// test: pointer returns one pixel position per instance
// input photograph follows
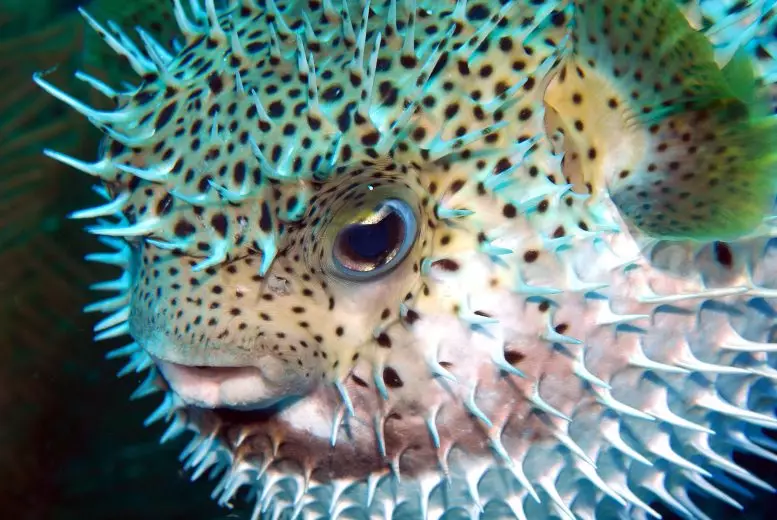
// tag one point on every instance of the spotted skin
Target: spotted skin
(533, 355)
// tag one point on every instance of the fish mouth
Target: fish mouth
(240, 388)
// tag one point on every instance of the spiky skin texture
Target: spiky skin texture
(534, 355)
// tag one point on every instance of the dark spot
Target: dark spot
(514, 357)
(723, 254)
(391, 378)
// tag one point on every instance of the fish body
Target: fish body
(381, 258)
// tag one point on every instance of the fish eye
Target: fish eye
(375, 244)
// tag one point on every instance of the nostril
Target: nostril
(240, 388)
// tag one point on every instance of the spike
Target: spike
(314, 104)
(97, 84)
(605, 397)
(443, 213)
(175, 429)
(147, 387)
(143, 227)
(106, 210)
(269, 250)
(498, 357)
(310, 32)
(216, 31)
(657, 486)
(156, 50)
(573, 447)
(558, 503)
(711, 401)
(200, 199)
(357, 62)
(92, 114)
(610, 430)
(390, 137)
(460, 11)
(660, 410)
(593, 476)
(119, 330)
(625, 491)
(438, 148)
(380, 384)
(369, 84)
(468, 49)
(431, 426)
(118, 259)
(169, 405)
(237, 49)
(219, 254)
(550, 335)
(488, 248)
(408, 46)
(605, 316)
(302, 58)
(118, 317)
(706, 295)
(264, 164)
(102, 192)
(740, 344)
(532, 290)
(472, 318)
(543, 405)
(693, 364)
(712, 490)
(203, 448)
(740, 441)
(336, 421)
(346, 399)
(275, 46)
(440, 371)
(659, 445)
(582, 371)
(159, 56)
(131, 141)
(380, 436)
(542, 19)
(731, 467)
(516, 468)
(210, 459)
(638, 358)
(125, 351)
(181, 245)
(136, 60)
(347, 24)
(139, 362)
(188, 28)
(109, 304)
(475, 410)
(232, 196)
(283, 27)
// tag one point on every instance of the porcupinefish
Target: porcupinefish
(449, 258)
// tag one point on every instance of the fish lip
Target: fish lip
(240, 387)
(236, 387)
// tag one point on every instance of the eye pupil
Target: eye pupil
(377, 243)
(372, 242)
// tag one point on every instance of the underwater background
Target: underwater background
(72, 444)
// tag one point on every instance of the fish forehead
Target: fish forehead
(207, 131)
(532, 341)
